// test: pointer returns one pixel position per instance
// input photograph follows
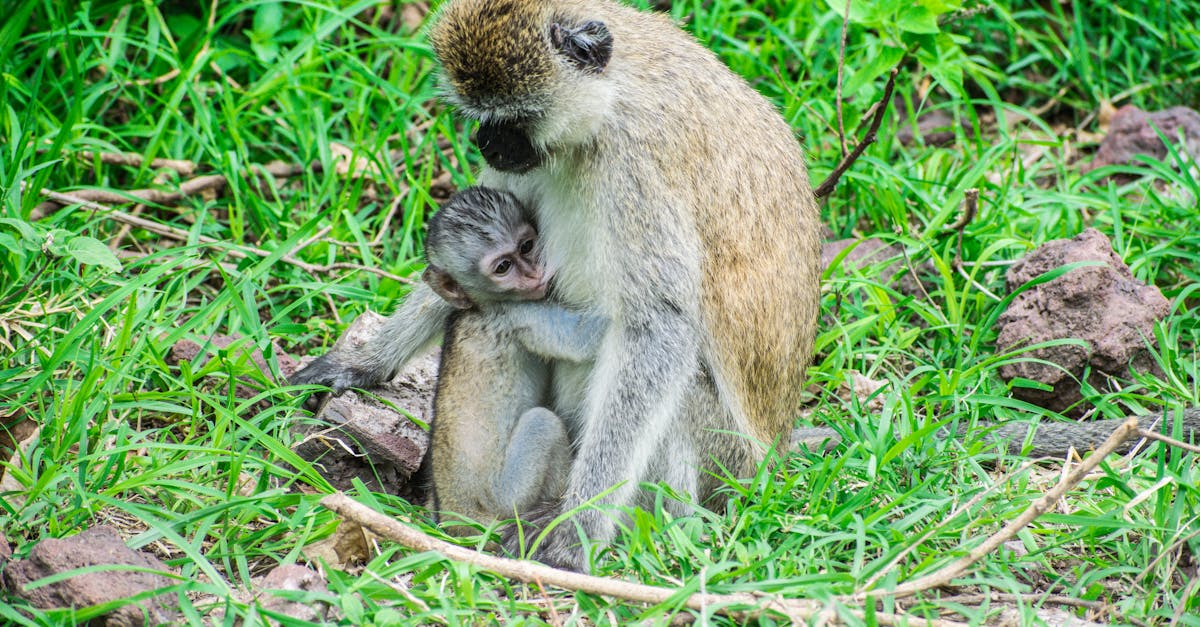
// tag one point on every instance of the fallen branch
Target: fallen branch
(945, 574)
(135, 160)
(244, 252)
(189, 188)
(796, 610)
(830, 182)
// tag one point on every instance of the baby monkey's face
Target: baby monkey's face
(515, 269)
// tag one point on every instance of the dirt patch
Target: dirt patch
(1103, 305)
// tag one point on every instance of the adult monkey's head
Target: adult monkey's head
(532, 74)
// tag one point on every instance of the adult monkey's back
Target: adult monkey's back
(672, 198)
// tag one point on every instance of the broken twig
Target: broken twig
(538, 574)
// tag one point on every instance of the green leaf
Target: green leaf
(941, 6)
(55, 242)
(265, 51)
(917, 19)
(23, 228)
(184, 25)
(267, 19)
(92, 252)
(9, 243)
(881, 61)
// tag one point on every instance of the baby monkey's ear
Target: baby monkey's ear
(446, 287)
(589, 45)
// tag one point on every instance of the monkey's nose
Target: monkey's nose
(506, 147)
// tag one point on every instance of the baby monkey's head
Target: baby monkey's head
(482, 248)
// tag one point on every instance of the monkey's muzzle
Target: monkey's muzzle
(506, 147)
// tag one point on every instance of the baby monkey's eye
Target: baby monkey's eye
(502, 268)
(526, 247)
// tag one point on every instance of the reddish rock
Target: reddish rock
(1132, 132)
(1102, 305)
(92, 547)
(293, 577)
(5, 552)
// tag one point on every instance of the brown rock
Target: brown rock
(92, 547)
(293, 577)
(364, 437)
(1132, 133)
(191, 351)
(5, 552)
(1102, 305)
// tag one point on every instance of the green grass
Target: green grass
(206, 480)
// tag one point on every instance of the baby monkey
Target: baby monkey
(495, 450)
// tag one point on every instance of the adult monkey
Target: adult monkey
(672, 199)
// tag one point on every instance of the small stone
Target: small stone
(297, 578)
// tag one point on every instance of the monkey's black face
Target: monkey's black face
(506, 147)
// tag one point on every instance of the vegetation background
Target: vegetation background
(341, 97)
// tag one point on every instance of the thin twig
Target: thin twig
(393, 208)
(1028, 597)
(826, 186)
(841, 68)
(404, 592)
(1184, 602)
(114, 243)
(946, 573)
(958, 510)
(191, 187)
(1170, 550)
(1154, 435)
(979, 286)
(529, 572)
(970, 210)
(28, 284)
(555, 619)
(316, 236)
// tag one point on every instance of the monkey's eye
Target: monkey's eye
(502, 268)
(526, 247)
(589, 45)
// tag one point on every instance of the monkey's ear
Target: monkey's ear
(588, 45)
(445, 286)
